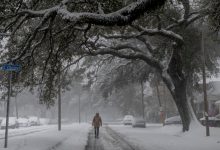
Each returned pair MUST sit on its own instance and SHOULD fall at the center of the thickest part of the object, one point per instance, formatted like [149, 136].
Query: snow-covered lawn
[24, 130]
[71, 137]
[170, 137]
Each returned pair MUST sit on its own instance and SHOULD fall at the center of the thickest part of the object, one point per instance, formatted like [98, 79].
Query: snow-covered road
[155, 137]
[108, 140]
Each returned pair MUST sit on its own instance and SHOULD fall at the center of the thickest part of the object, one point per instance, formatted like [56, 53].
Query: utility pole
[79, 107]
[204, 88]
[158, 95]
[165, 101]
[142, 99]
[59, 102]
[16, 106]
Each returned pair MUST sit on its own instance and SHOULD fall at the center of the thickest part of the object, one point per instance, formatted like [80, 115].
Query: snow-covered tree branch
[48, 35]
[122, 16]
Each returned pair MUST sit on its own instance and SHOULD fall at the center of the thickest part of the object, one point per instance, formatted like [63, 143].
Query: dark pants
[96, 131]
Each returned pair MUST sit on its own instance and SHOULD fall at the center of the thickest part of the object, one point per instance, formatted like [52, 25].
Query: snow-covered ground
[156, 137]
[71, 137]
[75, 136]
[24, 130]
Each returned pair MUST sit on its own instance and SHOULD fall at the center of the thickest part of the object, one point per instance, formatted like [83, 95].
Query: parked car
[138, 122]
[213, 121]
[53, 121]
[173, 120]
[44, 121]
[1, 118]
[218, 116]
[12, 123]
[128, 120]
[119, 120]
[23, 122]
[34, 121]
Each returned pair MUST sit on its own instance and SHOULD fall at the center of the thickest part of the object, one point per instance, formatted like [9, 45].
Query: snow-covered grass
[170, 137]
[73, 136]
[24, 130]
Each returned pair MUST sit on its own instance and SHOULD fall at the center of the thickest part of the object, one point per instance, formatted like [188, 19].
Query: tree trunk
[179, 92]
[180, 99]
[182, 105]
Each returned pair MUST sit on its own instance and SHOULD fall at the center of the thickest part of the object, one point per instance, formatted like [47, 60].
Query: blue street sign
[11, 67]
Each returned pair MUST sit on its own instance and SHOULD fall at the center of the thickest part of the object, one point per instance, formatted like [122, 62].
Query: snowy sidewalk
[170, 137]
[72, 137]
[108, 140]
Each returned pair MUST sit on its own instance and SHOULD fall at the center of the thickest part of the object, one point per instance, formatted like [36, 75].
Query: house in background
[213, 96]
[217, 103]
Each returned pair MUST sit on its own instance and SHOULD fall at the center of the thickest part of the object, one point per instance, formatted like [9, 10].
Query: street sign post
[9, 68]
[7, 111]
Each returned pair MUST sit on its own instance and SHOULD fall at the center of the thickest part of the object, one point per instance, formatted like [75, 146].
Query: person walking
[97, 122]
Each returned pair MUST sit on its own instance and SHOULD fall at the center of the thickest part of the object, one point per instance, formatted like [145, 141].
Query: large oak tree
[46, 36]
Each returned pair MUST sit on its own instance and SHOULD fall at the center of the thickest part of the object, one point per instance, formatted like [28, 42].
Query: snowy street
[112, 137]
[154, 137]
[109, 74]
[108, 140]
[157, 137]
